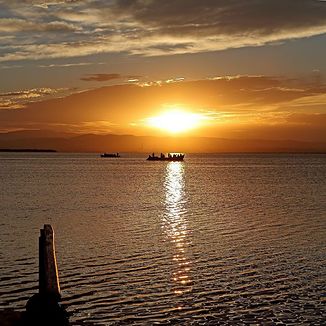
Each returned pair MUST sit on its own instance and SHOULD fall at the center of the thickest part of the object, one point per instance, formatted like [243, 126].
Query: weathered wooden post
[44, 308]
[48, 270]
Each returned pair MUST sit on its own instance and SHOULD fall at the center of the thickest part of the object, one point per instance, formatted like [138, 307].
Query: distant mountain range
[70, 142]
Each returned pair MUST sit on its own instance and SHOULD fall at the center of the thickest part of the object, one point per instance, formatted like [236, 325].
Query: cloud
[101, 77]
[10, 66]
[14, 25]
[107, 77]
[35, 92]
[18, 99]
[211, 17]
[73, 64]
[53, 29]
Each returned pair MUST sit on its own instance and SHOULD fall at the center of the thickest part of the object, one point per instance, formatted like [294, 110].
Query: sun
[175, 121]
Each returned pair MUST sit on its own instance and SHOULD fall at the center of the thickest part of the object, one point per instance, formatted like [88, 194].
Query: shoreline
[27, 150]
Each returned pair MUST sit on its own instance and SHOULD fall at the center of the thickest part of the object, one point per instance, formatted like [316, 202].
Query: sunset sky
[250, 69]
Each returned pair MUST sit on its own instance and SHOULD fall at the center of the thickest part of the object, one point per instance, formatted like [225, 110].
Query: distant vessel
[169, 157]
[110, 155]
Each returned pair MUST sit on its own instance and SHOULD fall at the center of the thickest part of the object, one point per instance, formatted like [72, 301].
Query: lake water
[217, 239]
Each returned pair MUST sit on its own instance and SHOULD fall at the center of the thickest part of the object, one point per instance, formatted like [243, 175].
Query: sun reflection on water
[175, 225]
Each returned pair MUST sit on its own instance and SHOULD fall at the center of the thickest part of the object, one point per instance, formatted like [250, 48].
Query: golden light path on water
[175, 226]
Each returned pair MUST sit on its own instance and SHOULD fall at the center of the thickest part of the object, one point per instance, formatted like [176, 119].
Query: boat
[169, 157]
[110, 155]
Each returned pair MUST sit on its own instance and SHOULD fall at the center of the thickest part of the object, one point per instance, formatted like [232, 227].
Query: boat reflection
[175, 226]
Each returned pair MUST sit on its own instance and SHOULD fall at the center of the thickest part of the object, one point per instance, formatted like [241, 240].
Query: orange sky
[230, 107]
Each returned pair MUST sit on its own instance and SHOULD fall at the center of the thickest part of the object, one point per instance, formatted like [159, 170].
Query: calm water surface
[217, 239]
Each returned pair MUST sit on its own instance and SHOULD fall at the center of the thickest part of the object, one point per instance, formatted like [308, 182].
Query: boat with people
[170, 157]
[110, 155]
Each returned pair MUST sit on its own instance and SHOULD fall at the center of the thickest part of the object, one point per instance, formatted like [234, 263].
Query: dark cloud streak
[101, 77]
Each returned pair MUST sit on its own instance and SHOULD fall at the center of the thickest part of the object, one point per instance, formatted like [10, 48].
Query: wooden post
[48, 270]
[44, 308]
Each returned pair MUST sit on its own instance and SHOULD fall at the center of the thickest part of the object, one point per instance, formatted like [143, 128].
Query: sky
[252, 69]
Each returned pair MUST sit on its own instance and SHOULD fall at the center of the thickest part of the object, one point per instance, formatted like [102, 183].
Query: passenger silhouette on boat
[163, 157]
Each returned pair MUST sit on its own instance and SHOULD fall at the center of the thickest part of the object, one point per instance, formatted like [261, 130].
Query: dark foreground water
[224, 239]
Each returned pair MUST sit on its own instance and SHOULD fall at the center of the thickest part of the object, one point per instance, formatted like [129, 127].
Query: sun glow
[175, 121]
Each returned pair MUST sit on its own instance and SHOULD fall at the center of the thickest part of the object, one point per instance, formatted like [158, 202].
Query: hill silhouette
[69, 142]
